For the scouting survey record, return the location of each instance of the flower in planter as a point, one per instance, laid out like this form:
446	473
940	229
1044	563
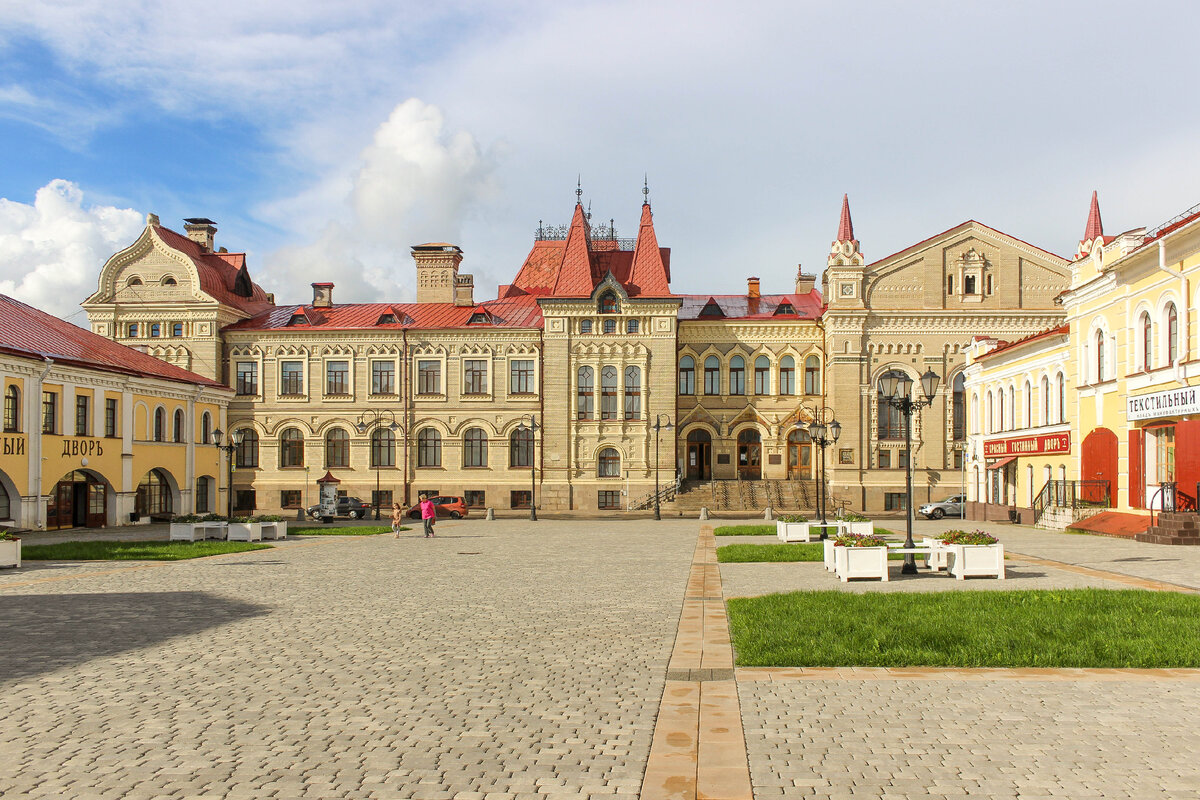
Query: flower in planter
859	540
851	516
8	536
186	518
267	518
792	518
969	537
214	518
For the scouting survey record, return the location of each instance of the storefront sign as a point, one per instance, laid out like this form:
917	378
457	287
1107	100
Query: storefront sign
1171	403
13	445
1028	445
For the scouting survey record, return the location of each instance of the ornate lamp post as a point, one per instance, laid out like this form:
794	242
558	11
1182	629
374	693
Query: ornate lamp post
529	423
659	425
368	420
824	431
235	441
897	390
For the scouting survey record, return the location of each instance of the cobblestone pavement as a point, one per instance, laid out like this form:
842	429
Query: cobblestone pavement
501	660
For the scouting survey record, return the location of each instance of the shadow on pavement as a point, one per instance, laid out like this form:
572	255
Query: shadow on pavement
41	632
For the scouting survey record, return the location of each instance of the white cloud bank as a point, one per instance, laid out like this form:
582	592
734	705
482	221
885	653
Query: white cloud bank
51	251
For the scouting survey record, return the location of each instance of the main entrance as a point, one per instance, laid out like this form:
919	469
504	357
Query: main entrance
699	455
1099	463
799	455
749	455
78	500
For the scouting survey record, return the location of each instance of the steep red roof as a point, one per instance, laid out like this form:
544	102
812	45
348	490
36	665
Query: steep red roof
649	276
521	311
575	275
1094	226
845	226
24	330
223	276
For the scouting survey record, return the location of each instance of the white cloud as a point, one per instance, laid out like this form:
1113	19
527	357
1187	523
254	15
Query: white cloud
51	251
416	182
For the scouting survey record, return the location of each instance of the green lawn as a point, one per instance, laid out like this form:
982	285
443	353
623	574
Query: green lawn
1049	628
134	551
328	530
745	530
796	551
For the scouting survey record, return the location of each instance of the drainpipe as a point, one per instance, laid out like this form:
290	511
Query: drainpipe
35	455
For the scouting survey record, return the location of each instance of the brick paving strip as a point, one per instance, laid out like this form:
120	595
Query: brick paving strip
699	749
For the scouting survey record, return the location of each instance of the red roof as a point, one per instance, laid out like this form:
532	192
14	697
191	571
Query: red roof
26	331
521	311
1061	330
649	275
1094	226
741	306
845	226
223	276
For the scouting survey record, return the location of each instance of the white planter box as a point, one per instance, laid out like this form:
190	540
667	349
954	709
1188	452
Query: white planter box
829	554
861	562
792	531
976	560
859	528
10	553
212	530
274	530
245	532
186	532
939	559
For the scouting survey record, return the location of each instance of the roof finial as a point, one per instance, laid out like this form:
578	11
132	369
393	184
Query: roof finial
845	226
1094	228
645	189
578	189
540	233
589	212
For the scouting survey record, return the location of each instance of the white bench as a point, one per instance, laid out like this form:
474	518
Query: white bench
274	530
191	531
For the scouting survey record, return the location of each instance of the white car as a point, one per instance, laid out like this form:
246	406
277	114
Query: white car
950	507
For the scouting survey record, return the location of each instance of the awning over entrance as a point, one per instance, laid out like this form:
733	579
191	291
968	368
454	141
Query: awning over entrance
1000	462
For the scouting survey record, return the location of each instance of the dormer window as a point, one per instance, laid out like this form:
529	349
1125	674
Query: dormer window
608	304
387	319
711	309
298	319
479	318
785	308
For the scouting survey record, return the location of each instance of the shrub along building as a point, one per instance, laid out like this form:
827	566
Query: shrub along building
591	342
95	433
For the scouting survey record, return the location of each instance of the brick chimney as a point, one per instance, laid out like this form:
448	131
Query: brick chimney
464	290
322	295
752	287
437	271
805	283
201	230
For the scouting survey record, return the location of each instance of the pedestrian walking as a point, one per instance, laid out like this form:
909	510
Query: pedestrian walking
428	515
397	519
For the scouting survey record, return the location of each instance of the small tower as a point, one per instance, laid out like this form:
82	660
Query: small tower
437	271
844	270
1093	233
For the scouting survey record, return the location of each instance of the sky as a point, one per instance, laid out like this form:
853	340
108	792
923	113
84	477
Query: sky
326	139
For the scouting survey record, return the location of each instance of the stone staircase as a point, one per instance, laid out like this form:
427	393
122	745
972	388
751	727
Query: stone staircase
735	495
1173	527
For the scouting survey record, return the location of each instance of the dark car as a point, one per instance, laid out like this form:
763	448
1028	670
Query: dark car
351	507
443	506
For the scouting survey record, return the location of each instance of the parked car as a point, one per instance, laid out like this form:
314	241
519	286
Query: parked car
351	507
443	506
950	507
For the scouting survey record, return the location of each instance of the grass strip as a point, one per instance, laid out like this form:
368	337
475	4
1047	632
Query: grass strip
1086	628
745	530
362	530
134	551
796	551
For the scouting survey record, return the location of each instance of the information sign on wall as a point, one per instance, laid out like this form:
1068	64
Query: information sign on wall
1171	403
1028	445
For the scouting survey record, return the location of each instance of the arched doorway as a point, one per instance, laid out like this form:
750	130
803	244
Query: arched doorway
1099	463
699	455
749	455
154	495
799	455
79	499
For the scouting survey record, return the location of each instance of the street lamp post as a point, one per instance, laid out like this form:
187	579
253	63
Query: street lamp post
658	426
824	431
897	390
532	427
374	418
235	440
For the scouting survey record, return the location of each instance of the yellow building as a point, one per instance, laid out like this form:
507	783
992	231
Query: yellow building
95	433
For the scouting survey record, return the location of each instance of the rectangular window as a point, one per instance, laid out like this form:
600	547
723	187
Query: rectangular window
290	498
585	326
49	412
247	377
382	499
12	409
737	378
244	500
631	326
474	376
895	501
958	459
762	379
610	326
383	377
585	398
687	378
608	500
429	377
885	459
520	377
474	498
787	379
337	377
712	376
82	407
519	499
110	417
968	284
203	485
901	460
291	380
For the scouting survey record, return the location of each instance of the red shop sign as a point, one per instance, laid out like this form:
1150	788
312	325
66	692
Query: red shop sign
1028	445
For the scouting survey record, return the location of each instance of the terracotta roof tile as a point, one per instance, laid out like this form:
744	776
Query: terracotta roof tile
648	276
845	225
219	273
1094	226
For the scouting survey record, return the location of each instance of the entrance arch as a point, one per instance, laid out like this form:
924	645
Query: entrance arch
1099	463
699	455
800	449
10	500
80	499
749	455
157	493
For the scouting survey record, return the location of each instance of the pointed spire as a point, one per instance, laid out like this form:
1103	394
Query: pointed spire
575	274
648	277
1094	227
578	190
845	226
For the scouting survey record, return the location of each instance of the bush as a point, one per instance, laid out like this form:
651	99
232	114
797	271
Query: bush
792	518
859	540
7	536
969	537
853	516
267	518
186	518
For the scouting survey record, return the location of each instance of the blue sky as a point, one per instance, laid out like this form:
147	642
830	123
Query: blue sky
324	143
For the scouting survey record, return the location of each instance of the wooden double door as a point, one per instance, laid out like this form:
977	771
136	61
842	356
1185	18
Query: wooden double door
79	500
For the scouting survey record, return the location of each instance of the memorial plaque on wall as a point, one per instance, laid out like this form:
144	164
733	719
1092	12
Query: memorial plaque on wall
722	458
776	459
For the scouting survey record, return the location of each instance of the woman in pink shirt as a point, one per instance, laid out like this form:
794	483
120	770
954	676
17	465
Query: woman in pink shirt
428	515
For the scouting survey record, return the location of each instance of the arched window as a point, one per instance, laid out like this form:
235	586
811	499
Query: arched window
205	428
812	375
990	413
1012	408
475	448
1028	421
608	304
337	448
1062	398
787	375
737	375
153	494
520	447
958	406
633	393
1172	334
155	329
168	281
178	427
1147	343
585	402
160	425
762	375
687	375
291	448
608	393
1099	356
891	421
976	422
247	450
12	410
133	330
1046	401
989	284
134	280
712	375
429	448
609	464
383	448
